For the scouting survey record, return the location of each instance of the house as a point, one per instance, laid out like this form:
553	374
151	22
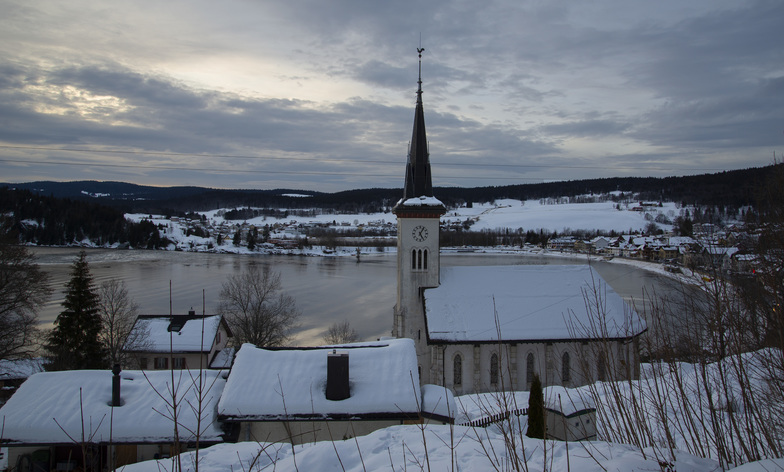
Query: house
54	412
180	341
480	329
300	395
13	372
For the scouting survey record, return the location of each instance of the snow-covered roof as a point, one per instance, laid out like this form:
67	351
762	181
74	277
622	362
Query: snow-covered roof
46	408
438	401
383	379
531	303
16	369
189	338
421	201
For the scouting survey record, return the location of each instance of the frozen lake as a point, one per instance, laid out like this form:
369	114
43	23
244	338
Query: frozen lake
326	289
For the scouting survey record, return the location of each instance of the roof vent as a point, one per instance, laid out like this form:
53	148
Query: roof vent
337	376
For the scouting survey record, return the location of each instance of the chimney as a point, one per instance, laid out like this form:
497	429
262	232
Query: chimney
116	401
337	376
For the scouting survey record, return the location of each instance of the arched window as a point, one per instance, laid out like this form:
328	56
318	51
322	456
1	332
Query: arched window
424	260
601	367
413	259
458	370
494	369
566	368
529	368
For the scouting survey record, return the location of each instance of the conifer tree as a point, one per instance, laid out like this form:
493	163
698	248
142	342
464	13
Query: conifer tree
74	342
536	410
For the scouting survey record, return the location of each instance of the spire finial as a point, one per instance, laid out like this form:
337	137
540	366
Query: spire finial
420	50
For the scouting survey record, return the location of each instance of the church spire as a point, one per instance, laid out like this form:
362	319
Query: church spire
418	178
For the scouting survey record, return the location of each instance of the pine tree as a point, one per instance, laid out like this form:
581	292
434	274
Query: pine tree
536	410
74	342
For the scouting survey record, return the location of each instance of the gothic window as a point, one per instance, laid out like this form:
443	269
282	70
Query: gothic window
413	259
566	368
424	260
494	369
529	368
458	370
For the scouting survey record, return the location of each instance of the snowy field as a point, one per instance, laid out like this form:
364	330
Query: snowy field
530	214
513	214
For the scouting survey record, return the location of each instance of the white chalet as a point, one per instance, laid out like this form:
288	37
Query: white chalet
328	393
44	421
180	341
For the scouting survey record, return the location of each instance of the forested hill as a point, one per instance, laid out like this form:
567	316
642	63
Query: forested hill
731	188
27	217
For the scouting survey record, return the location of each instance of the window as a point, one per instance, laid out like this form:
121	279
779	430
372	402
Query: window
143	363
494	369
178	363
458	370
419	259
529	368
566	368
161	363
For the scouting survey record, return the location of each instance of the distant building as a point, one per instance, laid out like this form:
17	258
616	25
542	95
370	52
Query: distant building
187	341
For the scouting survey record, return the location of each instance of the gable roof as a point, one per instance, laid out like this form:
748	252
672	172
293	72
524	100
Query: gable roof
178	333
383	376
19	369
51	400
533	303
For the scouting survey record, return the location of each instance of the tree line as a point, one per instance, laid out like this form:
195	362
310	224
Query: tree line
52	221
734	189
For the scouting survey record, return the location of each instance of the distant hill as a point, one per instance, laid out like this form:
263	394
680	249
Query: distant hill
731	188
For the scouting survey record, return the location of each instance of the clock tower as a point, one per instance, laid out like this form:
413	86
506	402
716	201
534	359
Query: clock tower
418	262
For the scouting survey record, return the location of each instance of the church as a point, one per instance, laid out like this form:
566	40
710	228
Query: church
486	329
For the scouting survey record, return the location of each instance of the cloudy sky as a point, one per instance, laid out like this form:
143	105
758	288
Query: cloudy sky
319	95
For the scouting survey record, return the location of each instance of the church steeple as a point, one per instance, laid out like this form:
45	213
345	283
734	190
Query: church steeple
418	179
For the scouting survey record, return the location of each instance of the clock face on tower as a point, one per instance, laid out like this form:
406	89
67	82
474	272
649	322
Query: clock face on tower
419	233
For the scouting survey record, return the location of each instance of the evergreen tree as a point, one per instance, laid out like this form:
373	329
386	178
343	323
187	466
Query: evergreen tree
536	410
74	342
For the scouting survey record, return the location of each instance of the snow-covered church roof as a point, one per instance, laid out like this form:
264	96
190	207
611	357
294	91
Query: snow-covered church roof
48	408
270	385
529	303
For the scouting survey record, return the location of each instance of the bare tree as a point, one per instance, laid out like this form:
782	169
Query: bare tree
23	290
118	314
256	309
340	333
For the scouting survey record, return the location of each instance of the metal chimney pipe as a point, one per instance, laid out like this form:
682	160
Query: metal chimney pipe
116	401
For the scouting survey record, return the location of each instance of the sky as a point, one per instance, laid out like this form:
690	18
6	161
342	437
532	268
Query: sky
315	95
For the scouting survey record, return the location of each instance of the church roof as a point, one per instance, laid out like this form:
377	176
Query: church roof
532	303
418	178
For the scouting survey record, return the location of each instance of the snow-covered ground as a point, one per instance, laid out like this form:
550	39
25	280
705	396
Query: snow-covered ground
438	447
513	214
400	448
